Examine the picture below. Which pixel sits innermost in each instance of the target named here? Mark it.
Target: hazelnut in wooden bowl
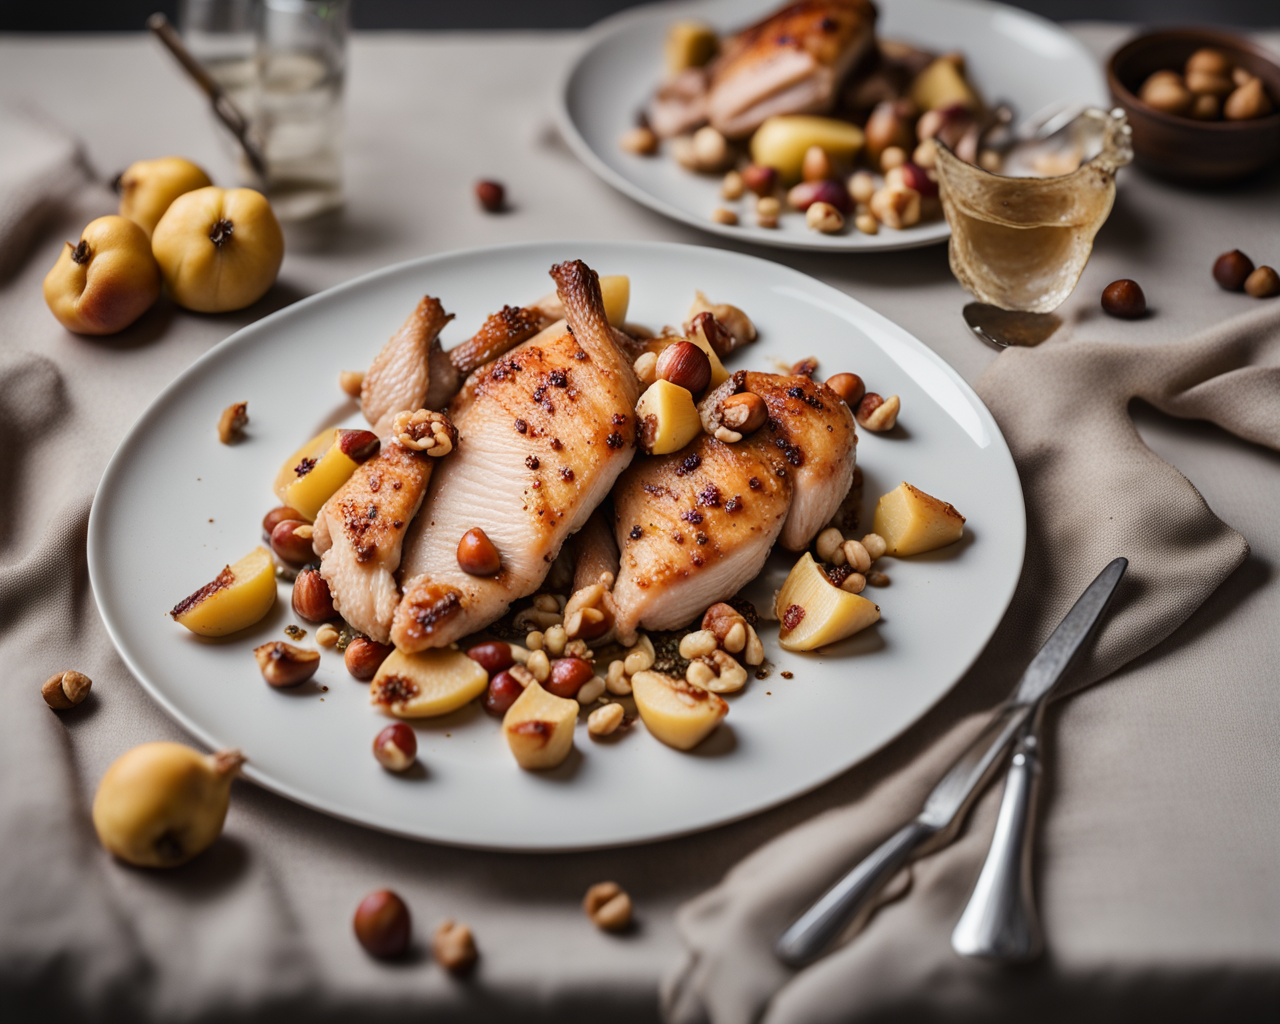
(1204, 105)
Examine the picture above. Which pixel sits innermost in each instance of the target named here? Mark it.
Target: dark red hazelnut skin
(1231, 269)
(568, 676)
(383, 925)
(492, 196)
(493, 656)
(1124, 299)
(504, 690)
(402, 737)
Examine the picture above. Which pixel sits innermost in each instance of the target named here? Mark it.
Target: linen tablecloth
(1158, 871)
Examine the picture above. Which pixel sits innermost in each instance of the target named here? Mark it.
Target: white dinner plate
(175, 506)
(1012, 56)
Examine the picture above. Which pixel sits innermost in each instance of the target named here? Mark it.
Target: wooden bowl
(1179, 147)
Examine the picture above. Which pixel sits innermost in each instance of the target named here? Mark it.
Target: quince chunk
(815, 613)
(315, 472)
(675, 711)
(239, 596)
(615, 289)
(942, 84)
(689, 44)
(912, 522)
(668, 418)
(782, 141)
(313, 450)
(539, 728)
(426, 684)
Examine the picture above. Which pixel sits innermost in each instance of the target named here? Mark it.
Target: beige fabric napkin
(1093, 491)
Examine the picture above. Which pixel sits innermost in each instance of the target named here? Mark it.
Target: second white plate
(1012, 56)
(175, 506)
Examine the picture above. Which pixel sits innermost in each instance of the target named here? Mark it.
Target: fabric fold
(1094, 490)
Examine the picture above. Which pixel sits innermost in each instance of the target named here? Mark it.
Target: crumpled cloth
(1094, 491)
(40, 168)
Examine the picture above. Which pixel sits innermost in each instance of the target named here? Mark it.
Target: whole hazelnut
(291, 540)
(477, 555)
(1262, 283)
(493, 656)
(503, 690)
(1248, 101)
(277, 516)
(358, 445)
(363, 657)
(311, 598)
(685, 365)
(492, 196)
(1124, 299)
(848, 386)
(1166, 91)
(396, 747)
(745, 413)
(568, 676)
(382, 924)
(284, 664)
(65, 689)
(833, 193)
(1208, 61)
(890, 124)
(1231, 269)
(710, 149)
(816, 165)
(762, 180)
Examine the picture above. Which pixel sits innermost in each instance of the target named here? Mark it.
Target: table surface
(428, 114)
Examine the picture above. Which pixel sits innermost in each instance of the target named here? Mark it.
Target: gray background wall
(130, 15)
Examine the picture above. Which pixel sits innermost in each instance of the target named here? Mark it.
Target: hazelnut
(926, 155)
(685, 365)
(866, 223)
(363, 657)
(745, 413)
(608, 906)
(382, 924)
(762, 180)
(476, 554)
(328, 635)
(358, 445)
(277, 516)
(351, 382)
(604, 721)
(283, 664)
(738, 328)
(639, 141)
(291, 540)
(918, 178)
(824, 218)
(877, 414)
(396, 747)
(1165, 91)
(896, 208)
(492, 195)
(493, 656)
(720, 215)
(710, 149)
(1205, 108)
(889, 126)
(721, 339)
(816, 165)
(894, 156)
(849, 387)
(1248, 101)
(862, 186)
(568, 675)
(1262, 283)
(1204, 83)
(311, 598)
(454, 947)
(1231, 269)
(828, 191)
(646, 368)
(732, 186)
(1124, 299)
(727, 625)
(1208, 61)
(232, 422)
(65, 690)
(503, 690)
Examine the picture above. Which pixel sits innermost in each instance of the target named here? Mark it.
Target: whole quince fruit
(107, 280)
(149, 186)
(218, 249)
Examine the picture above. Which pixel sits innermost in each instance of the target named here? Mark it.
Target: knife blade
(852, 898)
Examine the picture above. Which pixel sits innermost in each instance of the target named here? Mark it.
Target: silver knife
(1000, 920)
(850, 901)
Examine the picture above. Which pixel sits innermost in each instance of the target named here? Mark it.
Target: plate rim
(96, 541)
(619, 21)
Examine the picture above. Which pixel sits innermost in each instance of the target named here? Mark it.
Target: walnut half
(425, 431)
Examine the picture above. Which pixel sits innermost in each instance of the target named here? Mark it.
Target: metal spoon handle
(1000, 922)
(850, 898)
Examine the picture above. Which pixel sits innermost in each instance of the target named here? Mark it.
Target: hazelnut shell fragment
(65, 689)
(284, 665)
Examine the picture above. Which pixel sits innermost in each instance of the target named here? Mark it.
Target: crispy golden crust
(824, 28)
(373, 508)
(500, 333)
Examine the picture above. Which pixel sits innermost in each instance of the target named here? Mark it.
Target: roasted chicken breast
(543, 434)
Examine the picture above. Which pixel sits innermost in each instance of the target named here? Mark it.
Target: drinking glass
(220, 35)
(297, 118)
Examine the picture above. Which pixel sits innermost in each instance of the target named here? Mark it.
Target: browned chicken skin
(543, 434)
(792, 62)
(697, 525)
(412, 371)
